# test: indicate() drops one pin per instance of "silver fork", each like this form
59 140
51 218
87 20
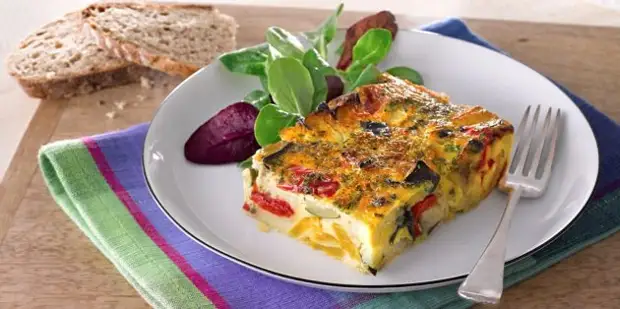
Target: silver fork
528 176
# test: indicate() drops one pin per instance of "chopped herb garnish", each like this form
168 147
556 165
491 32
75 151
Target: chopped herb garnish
378 202
451 148
430 187
353 201
439 161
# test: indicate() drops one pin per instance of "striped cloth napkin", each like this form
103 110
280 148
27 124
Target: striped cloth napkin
98 182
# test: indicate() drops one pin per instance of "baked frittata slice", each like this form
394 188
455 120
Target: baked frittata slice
376 170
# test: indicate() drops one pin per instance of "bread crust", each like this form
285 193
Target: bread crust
132 52
65 85
82 84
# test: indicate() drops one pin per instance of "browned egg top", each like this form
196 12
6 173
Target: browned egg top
384 145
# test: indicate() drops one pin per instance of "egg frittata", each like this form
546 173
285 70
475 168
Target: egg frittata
376 170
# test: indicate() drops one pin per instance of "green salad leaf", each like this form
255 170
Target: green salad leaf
284 42
263 82
247 163
273 54
321 47
313 59
258 98
372 47
352 73
340 49
249 60
325 33
367 76
270 120
328 28
290 85
296 79
406 73
319 69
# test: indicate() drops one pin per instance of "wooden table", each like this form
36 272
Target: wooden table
45 261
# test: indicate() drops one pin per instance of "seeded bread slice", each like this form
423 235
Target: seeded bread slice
177 39
56 61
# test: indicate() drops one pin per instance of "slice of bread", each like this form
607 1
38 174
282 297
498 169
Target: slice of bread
56 61
177 39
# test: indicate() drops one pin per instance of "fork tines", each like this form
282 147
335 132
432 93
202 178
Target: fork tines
533 153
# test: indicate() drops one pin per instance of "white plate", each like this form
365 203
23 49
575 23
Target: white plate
205 201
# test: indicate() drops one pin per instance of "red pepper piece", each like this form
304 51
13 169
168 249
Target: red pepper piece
275 206
483 157
326 188
423 205
322 186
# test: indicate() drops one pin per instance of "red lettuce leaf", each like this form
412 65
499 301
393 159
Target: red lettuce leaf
225 138
335 87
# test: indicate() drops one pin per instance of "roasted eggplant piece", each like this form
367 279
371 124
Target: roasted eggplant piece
421 173
474 146
377 128
404 221
372 271
443 133
272 158
368 162
324 108
254 174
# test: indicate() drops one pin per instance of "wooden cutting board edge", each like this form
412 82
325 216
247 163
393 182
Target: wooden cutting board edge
24 163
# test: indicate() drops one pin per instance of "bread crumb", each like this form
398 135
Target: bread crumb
101 102
263 227
111 115
141 97
75 57
146 83
120 104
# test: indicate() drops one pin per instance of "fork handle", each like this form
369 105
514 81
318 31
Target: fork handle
485 282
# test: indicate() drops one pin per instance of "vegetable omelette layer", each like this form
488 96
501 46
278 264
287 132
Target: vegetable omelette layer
377 169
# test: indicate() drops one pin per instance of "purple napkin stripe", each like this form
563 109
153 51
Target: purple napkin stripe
223 276
108 173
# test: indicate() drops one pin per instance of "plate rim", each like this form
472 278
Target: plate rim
356 287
